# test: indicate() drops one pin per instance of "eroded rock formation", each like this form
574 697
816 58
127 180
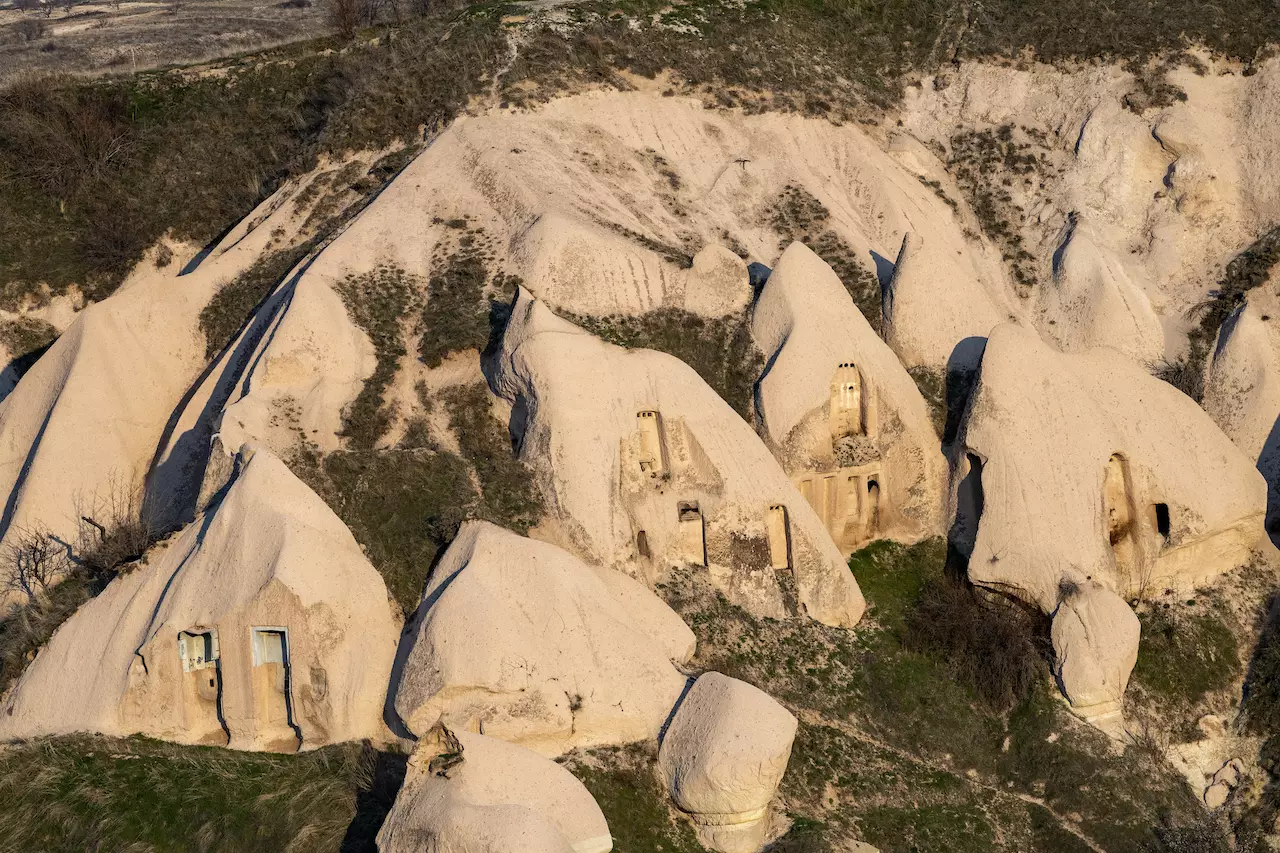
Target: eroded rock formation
260 626
645 468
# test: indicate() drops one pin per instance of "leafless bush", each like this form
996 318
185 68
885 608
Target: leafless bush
113 531
29 29
995 644
33 561
344 16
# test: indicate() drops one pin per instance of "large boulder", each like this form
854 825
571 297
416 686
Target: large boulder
539 649
723 756
644 468
1076 471
841 413
1095 646
467 793
260 626
1242 388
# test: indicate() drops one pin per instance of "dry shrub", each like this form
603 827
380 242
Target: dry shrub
996 645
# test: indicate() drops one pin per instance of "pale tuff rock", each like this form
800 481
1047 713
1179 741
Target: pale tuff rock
260 626
717 284
1092 301
932 320
1242 387
840 412
597 200
1081 470
538 648
1095 645
1213 766
468 793
723 757
1172 194
79 432
644 468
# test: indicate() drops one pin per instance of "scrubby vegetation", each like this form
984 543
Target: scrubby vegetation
403 506
899 745
26 339
230 308
378 303
720 349
456 314
95 793
797 215
508 495
633 800
51 578
94 171
977 157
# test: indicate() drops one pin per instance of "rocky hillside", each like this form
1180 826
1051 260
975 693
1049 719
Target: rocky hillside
780 426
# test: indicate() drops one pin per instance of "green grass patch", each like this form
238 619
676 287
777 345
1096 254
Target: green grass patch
962 829
95 793
633 800
906 749
1185 654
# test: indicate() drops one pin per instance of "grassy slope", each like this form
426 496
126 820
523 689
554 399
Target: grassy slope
93 793
93 172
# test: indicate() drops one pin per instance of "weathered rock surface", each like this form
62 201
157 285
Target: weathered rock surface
260 626
1171 193
1095 646
644 468
79 433
1092 300
1242 388
538 649
1079 471
840 412
467 793
723 757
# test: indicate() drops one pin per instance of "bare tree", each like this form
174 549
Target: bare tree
344 16
33 561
